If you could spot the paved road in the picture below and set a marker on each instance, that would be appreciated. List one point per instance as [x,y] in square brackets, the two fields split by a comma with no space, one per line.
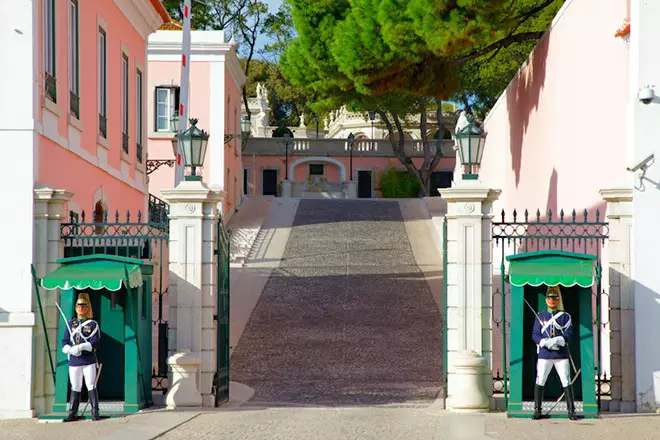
[347,319]
[404,423]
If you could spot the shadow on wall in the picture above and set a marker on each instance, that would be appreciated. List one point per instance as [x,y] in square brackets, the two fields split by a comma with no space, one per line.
[523,98]
[551,205]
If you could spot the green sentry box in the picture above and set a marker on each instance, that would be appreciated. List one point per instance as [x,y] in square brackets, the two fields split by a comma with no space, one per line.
[529,275]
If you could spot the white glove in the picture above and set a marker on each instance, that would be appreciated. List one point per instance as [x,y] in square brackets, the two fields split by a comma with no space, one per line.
[553,344]
[75,350]
[543,342]
[560,341]
[87,346]
[66,349]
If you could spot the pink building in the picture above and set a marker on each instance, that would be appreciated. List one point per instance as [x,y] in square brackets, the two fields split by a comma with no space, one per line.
[325,167]
[216,78]
[74,88]
[93,95]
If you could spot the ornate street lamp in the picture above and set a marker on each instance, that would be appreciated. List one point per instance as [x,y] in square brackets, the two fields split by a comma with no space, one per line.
[193,145]
[351,141]
[470,139]
[286,141]
[246,126]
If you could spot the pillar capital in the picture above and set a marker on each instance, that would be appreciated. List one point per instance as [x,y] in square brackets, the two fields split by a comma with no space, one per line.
[469,199]
[619,202]
[49,202]
[47,194]
[192,192]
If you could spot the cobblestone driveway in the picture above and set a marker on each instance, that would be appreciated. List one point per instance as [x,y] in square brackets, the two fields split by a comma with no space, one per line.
[347,319]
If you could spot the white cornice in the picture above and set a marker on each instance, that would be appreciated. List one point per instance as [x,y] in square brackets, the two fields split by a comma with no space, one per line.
[208,44]
[141,14]
[235,69]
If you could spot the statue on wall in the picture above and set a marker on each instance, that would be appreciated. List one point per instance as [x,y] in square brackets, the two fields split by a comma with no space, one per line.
[302,120]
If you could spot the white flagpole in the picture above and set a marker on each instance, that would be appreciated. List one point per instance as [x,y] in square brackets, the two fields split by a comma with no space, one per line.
[184,87]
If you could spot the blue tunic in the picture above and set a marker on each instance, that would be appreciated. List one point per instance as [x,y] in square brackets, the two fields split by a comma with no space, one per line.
[563,327]
[88,333]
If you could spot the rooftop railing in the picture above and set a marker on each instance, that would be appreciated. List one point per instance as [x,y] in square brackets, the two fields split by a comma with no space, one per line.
[340,147]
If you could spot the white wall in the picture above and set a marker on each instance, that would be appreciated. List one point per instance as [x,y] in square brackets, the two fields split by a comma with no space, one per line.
[645,136]
[18,142]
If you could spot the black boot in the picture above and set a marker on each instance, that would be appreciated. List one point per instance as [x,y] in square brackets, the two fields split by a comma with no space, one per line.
[73,410]
[94,399]
[570,402]
[538,401]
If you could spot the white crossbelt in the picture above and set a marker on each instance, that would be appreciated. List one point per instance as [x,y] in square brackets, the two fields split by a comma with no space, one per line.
[78,330]
[553,322]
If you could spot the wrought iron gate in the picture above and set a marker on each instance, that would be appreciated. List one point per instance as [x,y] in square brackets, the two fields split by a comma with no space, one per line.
[221,379]
[566,234]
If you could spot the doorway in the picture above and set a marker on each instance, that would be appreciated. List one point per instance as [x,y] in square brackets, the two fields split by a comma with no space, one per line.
[269,182]
[364,182]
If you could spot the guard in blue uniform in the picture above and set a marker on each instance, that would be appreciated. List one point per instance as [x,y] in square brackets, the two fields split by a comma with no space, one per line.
[552,330]
[81,341]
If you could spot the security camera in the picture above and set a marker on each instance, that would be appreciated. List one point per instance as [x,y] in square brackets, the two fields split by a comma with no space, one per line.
[646,95]
[642,165]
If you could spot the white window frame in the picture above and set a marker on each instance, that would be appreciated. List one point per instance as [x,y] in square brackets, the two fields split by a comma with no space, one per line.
[170,101]
[50,37]
[103,66]
[74,47]
[124,93]
[139,122]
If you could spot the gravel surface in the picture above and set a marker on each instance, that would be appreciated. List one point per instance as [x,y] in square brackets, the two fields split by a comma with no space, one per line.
[348,318]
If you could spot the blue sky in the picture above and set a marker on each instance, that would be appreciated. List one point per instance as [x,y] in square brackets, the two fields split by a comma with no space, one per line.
[274,5]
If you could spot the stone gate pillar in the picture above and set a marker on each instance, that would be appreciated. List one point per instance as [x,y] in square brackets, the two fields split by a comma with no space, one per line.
[622,313]
[469,308]
[192,292]
[49,213]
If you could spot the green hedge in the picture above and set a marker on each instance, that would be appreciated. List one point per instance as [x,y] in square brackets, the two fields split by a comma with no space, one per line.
[398,184]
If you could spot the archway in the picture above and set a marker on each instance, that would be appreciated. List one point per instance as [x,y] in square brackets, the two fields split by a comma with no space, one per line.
[342,167]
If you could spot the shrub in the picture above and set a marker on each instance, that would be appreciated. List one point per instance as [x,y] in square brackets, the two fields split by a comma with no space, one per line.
[398,184]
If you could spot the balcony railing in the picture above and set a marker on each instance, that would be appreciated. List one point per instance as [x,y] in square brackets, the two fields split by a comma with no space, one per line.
[74,104]
[103,126]
[51,87]
[341,147]
[159,210]
[124,142]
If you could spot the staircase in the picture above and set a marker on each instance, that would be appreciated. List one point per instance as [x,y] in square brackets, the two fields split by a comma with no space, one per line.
[246,227]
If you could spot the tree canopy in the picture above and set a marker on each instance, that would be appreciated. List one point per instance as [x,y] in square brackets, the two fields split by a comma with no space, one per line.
[483,79]
[376,47]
